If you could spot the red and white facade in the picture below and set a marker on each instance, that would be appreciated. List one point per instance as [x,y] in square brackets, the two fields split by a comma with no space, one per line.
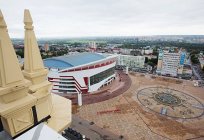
[77,79]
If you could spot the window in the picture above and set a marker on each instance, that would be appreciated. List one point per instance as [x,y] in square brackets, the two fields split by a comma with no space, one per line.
[66,82]
[66,86]
[101,76]
[66,91]
[66,79]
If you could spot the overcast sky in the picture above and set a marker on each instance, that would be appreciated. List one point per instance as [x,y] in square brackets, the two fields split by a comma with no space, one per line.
[79,18]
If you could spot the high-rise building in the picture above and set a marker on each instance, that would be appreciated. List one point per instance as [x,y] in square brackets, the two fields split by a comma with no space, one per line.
[170,62]
[93,46]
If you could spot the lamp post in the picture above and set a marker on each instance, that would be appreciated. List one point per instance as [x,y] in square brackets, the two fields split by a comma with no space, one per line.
[126,70]
[80,98]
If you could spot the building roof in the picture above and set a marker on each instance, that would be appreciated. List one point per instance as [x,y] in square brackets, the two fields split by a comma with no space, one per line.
[68,61]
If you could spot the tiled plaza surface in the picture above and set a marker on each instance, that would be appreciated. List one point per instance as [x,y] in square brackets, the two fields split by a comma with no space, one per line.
[125,116]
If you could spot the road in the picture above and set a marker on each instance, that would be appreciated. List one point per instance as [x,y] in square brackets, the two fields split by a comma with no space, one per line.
[91,131]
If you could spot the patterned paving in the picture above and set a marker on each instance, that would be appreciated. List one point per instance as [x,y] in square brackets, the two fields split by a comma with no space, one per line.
[136,122]
[170,102]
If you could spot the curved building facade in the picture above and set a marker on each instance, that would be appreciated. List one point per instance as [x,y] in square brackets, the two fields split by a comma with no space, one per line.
[80,73]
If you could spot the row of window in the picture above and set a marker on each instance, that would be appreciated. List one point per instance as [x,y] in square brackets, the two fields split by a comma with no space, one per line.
[66,79]
[66,83]
[66,86]
[65,91]
[101,76]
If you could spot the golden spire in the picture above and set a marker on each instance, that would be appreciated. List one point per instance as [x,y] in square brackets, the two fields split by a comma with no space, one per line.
[28,20]
[2,21]
[10,72]
[33,61]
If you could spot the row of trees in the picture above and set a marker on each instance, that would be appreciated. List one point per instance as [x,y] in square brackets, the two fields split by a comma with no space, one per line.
[152,62]
[188,46]
[45,54]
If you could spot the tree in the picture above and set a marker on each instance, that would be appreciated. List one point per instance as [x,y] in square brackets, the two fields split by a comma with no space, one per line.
[194,59]
[146,59]
[151,63]
[154,60]
[20,53]
[155,52]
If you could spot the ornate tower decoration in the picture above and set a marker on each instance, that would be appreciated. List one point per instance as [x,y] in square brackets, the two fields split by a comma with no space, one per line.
[16,105]
[34,70]
[26,102]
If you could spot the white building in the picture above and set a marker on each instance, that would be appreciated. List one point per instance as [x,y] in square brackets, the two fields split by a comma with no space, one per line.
[131,61]
[170,62]
[147,50]
[125,51]
[80,73]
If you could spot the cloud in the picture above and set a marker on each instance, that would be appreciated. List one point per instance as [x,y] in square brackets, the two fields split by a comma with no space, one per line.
[75,18]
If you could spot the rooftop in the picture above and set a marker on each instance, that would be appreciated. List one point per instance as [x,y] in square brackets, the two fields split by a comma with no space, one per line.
[68,61]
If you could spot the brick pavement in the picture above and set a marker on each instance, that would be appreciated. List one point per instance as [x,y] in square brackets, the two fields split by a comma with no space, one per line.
[138,123]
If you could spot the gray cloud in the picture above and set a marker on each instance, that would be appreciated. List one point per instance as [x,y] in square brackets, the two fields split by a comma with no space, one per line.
[70,18]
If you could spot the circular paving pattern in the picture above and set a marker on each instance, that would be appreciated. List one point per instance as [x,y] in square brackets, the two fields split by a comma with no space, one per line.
[170,102]
[167,99]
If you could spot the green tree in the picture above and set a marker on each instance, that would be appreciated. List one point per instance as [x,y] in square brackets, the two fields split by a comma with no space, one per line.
[194,59]
[146,59]
[20,53]
[151,63]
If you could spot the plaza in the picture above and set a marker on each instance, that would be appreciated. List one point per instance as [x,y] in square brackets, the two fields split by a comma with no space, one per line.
[126,115]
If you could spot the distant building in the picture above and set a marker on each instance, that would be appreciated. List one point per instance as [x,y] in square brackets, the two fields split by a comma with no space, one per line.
[131,61]
[170,62]
[46,47]
[159,63]
[150,56]
[187,70]
[125,51]
[147,50]
[201,60]
[135,52]
[92,46]
[116,50]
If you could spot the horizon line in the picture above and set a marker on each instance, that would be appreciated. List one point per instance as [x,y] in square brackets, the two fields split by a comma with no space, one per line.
[107,36]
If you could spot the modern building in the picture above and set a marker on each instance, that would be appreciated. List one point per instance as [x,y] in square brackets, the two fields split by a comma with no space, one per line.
[170,62]
[80,73]
[131,61]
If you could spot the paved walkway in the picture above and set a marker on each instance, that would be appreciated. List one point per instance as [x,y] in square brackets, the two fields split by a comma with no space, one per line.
[112,91]
[136,122]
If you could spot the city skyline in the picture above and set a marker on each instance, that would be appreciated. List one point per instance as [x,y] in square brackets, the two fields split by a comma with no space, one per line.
[77,18]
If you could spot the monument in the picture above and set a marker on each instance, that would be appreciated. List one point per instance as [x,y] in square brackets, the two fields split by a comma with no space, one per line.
[26,102]
[16,105]
[34,70]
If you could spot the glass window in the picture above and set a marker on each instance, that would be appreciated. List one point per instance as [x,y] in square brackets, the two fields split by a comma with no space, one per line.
[101,76]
